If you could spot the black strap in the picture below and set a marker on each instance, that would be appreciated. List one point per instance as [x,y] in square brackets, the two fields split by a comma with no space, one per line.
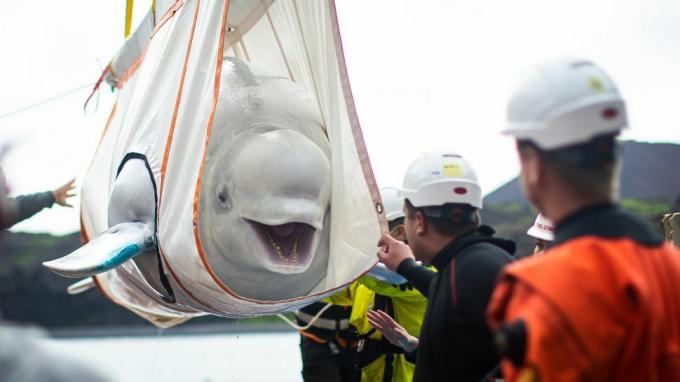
[389,348]
[164,279]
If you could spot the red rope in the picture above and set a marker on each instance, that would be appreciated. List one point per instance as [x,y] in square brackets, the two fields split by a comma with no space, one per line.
[96,86]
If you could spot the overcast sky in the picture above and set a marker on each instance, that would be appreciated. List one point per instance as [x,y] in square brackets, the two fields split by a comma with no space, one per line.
[425,75]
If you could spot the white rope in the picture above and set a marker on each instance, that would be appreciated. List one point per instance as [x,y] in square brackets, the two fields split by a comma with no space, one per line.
[40,103]
[310,323]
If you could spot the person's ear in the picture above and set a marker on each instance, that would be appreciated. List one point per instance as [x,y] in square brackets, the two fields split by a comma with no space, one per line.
[399,232]
[531,167]
[421,224]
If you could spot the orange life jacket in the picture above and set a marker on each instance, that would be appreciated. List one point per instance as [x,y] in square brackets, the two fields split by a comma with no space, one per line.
[603,304]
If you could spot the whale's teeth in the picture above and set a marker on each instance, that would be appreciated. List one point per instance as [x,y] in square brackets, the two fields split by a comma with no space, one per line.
[293,255]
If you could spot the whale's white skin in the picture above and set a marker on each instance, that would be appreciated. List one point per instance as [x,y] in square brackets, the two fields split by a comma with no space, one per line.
[264,204]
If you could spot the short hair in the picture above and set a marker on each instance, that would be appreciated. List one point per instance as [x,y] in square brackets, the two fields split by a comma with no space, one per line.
[392,224]
[588,169]
[450,219]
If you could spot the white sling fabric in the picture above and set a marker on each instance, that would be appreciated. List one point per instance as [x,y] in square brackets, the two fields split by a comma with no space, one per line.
[165,111]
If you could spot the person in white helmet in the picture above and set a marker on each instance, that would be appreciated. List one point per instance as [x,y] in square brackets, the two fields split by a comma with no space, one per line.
[443,228]
[603,303]
[543,231]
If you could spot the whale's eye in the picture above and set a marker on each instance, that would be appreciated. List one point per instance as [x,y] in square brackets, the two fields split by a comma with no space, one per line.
[222,196]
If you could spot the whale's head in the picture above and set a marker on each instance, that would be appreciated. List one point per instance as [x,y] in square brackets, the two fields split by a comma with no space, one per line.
[265,195]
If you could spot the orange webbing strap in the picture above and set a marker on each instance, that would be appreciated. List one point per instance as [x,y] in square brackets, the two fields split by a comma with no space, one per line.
[312,337]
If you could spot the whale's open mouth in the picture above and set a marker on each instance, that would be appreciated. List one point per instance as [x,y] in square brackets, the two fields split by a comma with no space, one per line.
[289,245]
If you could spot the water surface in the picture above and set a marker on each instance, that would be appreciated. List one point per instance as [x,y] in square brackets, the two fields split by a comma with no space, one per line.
[266,357]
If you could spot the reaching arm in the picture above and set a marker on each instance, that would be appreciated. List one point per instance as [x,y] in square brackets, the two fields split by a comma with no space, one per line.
[392,331]
[398,257]
[24,206]
[418,275]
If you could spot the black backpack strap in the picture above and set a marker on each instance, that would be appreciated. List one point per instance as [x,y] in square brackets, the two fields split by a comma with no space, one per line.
[386,304]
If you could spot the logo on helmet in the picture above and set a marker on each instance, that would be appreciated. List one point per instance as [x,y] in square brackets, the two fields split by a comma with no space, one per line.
[596,84]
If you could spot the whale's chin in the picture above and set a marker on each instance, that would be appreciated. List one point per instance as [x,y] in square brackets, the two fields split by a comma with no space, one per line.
[287,248]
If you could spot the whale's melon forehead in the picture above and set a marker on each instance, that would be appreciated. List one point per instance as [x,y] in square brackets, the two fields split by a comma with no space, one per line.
[282,171]
[248,100]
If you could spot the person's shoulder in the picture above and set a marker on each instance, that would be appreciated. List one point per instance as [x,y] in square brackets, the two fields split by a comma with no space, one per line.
[583,264]
[483,253]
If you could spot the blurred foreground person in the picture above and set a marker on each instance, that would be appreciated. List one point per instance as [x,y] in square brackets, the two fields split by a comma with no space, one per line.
[16,209]
[603,303]
[443,228]
[22,359]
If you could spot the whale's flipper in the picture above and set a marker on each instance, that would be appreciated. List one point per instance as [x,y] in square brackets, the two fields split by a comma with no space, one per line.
[110,249]
[81,286]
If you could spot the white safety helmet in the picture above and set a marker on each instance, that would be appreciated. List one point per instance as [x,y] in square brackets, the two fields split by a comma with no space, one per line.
[565,102]
[542,229]
[393,202]
[437,178]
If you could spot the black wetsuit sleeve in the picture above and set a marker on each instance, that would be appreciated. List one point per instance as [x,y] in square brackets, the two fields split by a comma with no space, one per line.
[476,277]
[24,206]
[419,276]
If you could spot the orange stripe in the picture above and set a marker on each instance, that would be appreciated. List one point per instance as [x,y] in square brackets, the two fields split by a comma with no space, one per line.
[173,122]
[174,276]
[84,237]
[357,133]
[313,337]
[104,293]
[166,156]
[106,127]
[197,190]
[135,65]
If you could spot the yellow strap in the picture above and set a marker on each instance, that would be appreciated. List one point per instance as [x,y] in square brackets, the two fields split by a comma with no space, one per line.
[153,10]
[128,16]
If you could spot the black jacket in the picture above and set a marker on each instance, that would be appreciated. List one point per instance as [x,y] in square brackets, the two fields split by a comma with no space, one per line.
[455,341]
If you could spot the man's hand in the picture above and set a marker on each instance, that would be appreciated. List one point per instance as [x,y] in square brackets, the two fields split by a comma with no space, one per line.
[394,332]
[63,192]
[392,252]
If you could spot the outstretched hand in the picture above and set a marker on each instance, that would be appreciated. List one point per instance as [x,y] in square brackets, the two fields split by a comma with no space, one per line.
[64,192]
[392,331]
[392,252]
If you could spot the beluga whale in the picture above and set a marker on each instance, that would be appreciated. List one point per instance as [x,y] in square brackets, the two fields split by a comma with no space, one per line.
[264,204]
[265,207]
[227,183]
